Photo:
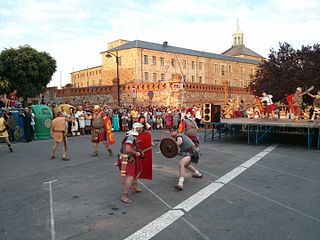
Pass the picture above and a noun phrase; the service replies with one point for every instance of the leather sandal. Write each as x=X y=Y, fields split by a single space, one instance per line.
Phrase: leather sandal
x=135 y=189
x=52 y=157
x=126 y=199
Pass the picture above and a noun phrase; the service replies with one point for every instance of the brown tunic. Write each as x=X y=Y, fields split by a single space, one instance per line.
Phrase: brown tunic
x=58 y=129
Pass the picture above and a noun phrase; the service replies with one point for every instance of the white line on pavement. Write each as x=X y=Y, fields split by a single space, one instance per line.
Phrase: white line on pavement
x=157 y=225
x=53 y=233
x=167 y=204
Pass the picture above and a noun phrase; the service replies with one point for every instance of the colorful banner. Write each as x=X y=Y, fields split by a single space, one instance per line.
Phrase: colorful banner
x=259 y=104
x=108 y=127
x=181 y=127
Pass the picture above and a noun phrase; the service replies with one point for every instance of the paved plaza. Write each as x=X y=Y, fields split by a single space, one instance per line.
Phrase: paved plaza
x=258 y=192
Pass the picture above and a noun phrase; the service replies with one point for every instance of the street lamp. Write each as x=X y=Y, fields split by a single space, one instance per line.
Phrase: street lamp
x=109 y=55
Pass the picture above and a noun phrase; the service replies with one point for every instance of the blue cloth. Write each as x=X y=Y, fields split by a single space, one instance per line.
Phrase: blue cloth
x=115 y=122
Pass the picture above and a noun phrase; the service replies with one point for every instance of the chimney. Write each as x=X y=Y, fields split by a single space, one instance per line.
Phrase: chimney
x=165 y=44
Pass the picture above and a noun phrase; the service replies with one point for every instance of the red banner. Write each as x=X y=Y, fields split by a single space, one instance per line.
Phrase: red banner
x=144 y=141
x=290 y=102
x=108 y=127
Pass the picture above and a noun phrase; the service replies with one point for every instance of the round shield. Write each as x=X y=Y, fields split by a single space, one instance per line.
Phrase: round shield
x=316 y=104
x=169 y=148
x=98 y=122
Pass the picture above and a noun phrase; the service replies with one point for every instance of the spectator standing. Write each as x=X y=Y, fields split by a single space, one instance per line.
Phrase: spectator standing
x=169 y=119
x=81 y=117
x=26 y=119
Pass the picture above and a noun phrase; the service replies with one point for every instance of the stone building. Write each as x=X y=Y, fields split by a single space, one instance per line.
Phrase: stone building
x=161 y=74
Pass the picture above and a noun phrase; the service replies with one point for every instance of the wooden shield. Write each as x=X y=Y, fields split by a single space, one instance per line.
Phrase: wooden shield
x=169 y=148
x=144 y=141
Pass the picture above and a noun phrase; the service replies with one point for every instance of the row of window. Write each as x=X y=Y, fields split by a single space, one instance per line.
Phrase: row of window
x=224 y=68
x=87 y=73
x=154 y=78
x=162 y=77
x=81 y=84
x=172 y=62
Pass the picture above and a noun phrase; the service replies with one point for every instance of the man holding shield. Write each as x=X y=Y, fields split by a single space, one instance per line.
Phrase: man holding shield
x=190 y=155
x=130 y=162
x=99 y=133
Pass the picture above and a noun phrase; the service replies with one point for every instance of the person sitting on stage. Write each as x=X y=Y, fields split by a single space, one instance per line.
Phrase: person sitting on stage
x=250 y=112
x=283 y=113
x=129 y=165
x=316 y=107
x=190 y=155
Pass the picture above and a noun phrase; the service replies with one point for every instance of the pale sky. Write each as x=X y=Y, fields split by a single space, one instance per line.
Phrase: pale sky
x=74 y=32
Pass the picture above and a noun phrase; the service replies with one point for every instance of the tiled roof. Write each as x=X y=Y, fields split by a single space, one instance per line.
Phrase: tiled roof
x=241 y=50
x=168 y=48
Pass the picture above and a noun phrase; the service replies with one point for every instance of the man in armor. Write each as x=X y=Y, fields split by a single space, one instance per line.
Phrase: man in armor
x=297 y=103
x=129 y=162
x=189 y=153
x=269 y=105
x=316 y=104
x=190 y=128
x=99 y=131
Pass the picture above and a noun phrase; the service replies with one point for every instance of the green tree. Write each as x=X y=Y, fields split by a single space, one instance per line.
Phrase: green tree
x=26 y=70
x=287 y=69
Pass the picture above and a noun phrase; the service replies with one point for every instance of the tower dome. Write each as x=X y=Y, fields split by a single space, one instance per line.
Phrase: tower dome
x=237 y=37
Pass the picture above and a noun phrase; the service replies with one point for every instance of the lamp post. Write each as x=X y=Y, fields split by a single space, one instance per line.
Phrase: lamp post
x=109 y=55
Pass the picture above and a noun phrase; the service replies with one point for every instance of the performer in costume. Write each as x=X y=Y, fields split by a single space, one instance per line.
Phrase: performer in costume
x=297 y=103
x=59 y=134
x=129 y=162
x=269 y=105
x=190 y=155
x=316 y=104
x=190 y=128
x=3 y=131
x=99 y=132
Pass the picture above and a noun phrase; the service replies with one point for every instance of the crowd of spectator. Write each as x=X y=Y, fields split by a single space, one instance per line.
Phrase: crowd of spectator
x=122 y=118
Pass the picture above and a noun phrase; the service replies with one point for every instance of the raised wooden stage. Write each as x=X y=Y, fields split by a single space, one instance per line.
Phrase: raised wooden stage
x=261 y=129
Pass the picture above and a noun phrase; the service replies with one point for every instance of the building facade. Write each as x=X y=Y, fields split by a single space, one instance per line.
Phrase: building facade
x=151 y=73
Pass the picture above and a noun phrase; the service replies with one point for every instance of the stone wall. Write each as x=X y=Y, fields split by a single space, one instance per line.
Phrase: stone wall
x=170 y=93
